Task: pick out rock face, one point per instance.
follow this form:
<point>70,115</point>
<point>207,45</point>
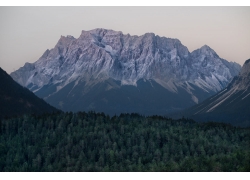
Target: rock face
<point>17,100</point>
<point>105,70</point>
<point>231,105</point>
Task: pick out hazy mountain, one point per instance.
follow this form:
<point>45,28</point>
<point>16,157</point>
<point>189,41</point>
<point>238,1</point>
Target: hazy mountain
<point>105,70</point>
<point>231,105</point>
<point>17,100</point>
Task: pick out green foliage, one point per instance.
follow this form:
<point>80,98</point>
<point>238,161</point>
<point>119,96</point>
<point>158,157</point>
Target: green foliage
<point>129,142</point>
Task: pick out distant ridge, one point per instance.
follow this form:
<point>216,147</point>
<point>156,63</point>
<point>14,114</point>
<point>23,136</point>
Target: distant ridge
<point>231,105</point>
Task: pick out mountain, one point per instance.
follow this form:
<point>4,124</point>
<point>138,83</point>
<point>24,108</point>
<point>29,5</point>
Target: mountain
<point>17,100</point>
<point>231,105</point>
<point>106,70</point>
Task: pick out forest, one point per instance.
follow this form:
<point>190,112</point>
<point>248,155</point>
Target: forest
<point>90,141</point>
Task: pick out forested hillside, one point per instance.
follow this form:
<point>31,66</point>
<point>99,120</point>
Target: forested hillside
<point>129,142</point>
<point>17,100</point>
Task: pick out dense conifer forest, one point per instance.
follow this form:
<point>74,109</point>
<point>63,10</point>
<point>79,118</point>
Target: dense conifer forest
<point>128,142</point>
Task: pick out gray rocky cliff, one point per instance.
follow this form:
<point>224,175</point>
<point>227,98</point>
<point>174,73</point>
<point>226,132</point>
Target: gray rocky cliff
<point>101,54</point>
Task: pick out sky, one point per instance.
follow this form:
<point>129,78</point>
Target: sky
<point>26,32</point>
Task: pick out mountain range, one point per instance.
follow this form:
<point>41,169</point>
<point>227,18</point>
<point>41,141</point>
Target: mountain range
<point>230,105</point>
<point>18,100</point>
<point>112,72</point>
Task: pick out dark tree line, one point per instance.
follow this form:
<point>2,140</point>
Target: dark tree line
<point>128,142</point>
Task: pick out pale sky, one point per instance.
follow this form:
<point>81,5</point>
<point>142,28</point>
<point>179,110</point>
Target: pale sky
<point>26,32</point>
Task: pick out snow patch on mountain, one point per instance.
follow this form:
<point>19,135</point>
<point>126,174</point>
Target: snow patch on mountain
<point>222,99</point>
<point>246,96</point>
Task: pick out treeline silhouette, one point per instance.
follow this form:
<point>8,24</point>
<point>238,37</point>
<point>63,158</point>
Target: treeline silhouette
<point>89,141</point>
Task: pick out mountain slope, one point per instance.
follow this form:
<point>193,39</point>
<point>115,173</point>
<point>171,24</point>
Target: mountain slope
<point>147,98</point>
<point>111,60</point>
<point>231,105</point>
<point>17,100</point>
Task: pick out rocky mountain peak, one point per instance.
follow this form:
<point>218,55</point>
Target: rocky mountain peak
<point>65,40</point>
<point>205,50</point>
<point>149,35</point>
<point>242,81</point>
<point>45,54</point>
<point>245,71</point>
<point>99,55</point>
